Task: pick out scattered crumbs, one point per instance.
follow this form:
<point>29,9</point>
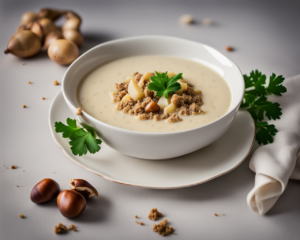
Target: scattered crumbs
<point>13,167</point>
<point>229,49</point>
<point>21,216</point>
<point>222,214</point>
<point>23,64</point>
<point>206,22</point>
<point>136,216</point>
<point>24,106</point>
<point>56,82</point>
<point>141,223</point>
<point>43,98</point>
<point>60,228</point>
<point>154,214</point>
<point>186,19</point>
<point>216,214</point>
<point>23,170</point>
<point>17,185</point>
<point>72,227</point>
<point>78,111</point>
<point>162,228</point>
<point>53,172</point>
<point>29,82</point>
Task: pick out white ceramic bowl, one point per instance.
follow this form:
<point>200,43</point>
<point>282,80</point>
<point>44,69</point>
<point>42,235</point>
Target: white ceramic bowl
<point>146,145</point>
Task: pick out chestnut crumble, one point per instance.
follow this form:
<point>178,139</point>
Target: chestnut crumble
<point>162,228</point>
<point>186,101</point>
<point>60,228</point>
<point>154,214</point>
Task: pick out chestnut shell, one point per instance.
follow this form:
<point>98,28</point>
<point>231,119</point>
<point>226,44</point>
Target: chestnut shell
<point>44,191</point>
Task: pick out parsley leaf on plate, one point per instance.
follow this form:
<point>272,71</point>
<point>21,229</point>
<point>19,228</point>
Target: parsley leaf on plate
<point>256,103</point>
<point>82,139</point>
<point>163,85</point>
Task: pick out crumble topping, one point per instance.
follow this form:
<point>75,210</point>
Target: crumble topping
<point>185,102</point>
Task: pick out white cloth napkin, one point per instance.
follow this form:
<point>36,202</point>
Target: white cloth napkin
<point>276,163</point>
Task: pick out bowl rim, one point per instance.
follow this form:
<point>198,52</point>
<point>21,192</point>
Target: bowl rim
<point>139,132</point>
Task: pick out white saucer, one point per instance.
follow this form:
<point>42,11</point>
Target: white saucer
<point>198,167</point>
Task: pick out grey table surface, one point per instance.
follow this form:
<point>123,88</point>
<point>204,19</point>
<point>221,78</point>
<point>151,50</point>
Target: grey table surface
<point>265,35</point>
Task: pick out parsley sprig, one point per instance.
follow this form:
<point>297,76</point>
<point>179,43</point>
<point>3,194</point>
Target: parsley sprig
<point>82,139</point>
<point>163,85</point>
<point>255,101</point>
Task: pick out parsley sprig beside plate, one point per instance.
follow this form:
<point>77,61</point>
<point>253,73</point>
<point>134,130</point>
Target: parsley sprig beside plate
<point>163,85</point>
<point>82,139</point>
<point>255,101</point>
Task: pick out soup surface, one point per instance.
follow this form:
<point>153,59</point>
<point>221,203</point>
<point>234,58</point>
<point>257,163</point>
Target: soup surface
<point>93,92</point>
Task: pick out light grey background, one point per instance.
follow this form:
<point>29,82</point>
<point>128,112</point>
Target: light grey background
<point>266,36</point>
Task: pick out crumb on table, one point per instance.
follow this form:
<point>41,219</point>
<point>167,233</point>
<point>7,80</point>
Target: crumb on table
<point>29,82</point>
<point>229,48</point>
<point>72,227</point>
<point>24,106</point>
<point>43,98</point>
<point>216,214</point>
<point>21,216</point>
<point>140,223</point>
<point>186,19</point>
<point>60,228</point>
<point>23,63</point>
<point>136,216</point>
<point>56,82</point>
<point>162,228</point>
<point>154,214</point>
<point>13,167</point>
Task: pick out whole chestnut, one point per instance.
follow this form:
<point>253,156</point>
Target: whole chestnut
<point>44,191</point>
<point>70,203</point>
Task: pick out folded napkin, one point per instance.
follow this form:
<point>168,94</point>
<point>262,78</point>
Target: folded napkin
<point>276,163</point>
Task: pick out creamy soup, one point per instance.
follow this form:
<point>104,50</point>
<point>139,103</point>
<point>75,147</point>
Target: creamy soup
<point>93,92</point>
